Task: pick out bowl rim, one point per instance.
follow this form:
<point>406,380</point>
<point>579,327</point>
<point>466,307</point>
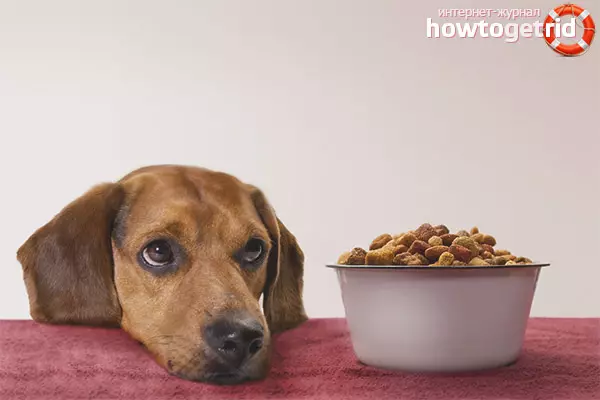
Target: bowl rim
<point>436,267</point>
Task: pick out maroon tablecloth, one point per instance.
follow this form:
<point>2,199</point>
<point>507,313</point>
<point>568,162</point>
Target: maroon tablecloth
<point>561,360</point>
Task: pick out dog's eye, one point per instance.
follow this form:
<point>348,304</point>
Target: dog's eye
<point>158,253</point>
<point>253,251</point>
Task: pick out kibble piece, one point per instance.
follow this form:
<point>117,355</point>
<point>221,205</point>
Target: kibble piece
<point>380,241</point>
<point>479,248</point>
<point>402,258</point>
<point>474,230</point>
<point>343,259</point>
<point>523,260</point>
<point>399,249</point>
<point>498,260</point>
<point>413,261</point>
<point>510,262</point>
<point>441,230</point>
<point>478,237</point>
<point>396,236</point>
<point>418,246</point>
<point>478,261</point>
<point>357,256</point>
<point>422,259</point>
<point>468,243</point>
<point>448,238</point>
<point>424,232</point>
<point>380,257</point>
<point>458,264</point>
<point>434,252</point>
<point>393,243</point>
<point>435,241</point>
<point>462,233</point>
<point>417,259</point>
<point>510,257</point>
<point>407,239</point>
<point>486,255</point>
<point>460,253</point>
<point>489,239</point>
<point>488,248</point>
<point>446,258</point>
<point>500,252</point>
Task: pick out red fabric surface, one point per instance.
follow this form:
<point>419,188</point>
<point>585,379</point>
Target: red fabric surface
<point>560,360</point>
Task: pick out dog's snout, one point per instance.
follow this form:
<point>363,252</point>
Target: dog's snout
<point>236,340</point>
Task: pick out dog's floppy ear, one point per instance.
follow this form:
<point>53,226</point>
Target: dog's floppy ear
<point>282,297</point>
<point>67,263</point>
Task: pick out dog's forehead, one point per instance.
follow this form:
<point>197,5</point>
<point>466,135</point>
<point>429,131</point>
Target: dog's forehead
<point>166,194</point>
<point>187,184</point>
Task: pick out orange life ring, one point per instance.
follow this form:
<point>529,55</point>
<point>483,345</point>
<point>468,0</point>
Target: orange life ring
<point>589,31</point>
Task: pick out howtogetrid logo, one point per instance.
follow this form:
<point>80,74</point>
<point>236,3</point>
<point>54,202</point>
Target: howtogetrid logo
<point>552,30</point>
<point>581,15</point>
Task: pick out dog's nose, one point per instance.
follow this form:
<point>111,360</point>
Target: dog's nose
<point>235,339</point>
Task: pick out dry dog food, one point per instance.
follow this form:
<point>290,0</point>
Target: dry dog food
<point>435,246</point>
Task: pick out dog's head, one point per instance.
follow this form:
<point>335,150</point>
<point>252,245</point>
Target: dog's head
<point>179,258</point>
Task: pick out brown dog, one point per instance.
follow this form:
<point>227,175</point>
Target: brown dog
<point>179,258</point>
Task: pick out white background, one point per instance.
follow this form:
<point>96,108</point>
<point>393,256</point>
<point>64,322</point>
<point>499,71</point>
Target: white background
<point>350,119</point>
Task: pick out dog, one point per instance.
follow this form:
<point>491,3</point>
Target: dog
<point>178,257</point>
